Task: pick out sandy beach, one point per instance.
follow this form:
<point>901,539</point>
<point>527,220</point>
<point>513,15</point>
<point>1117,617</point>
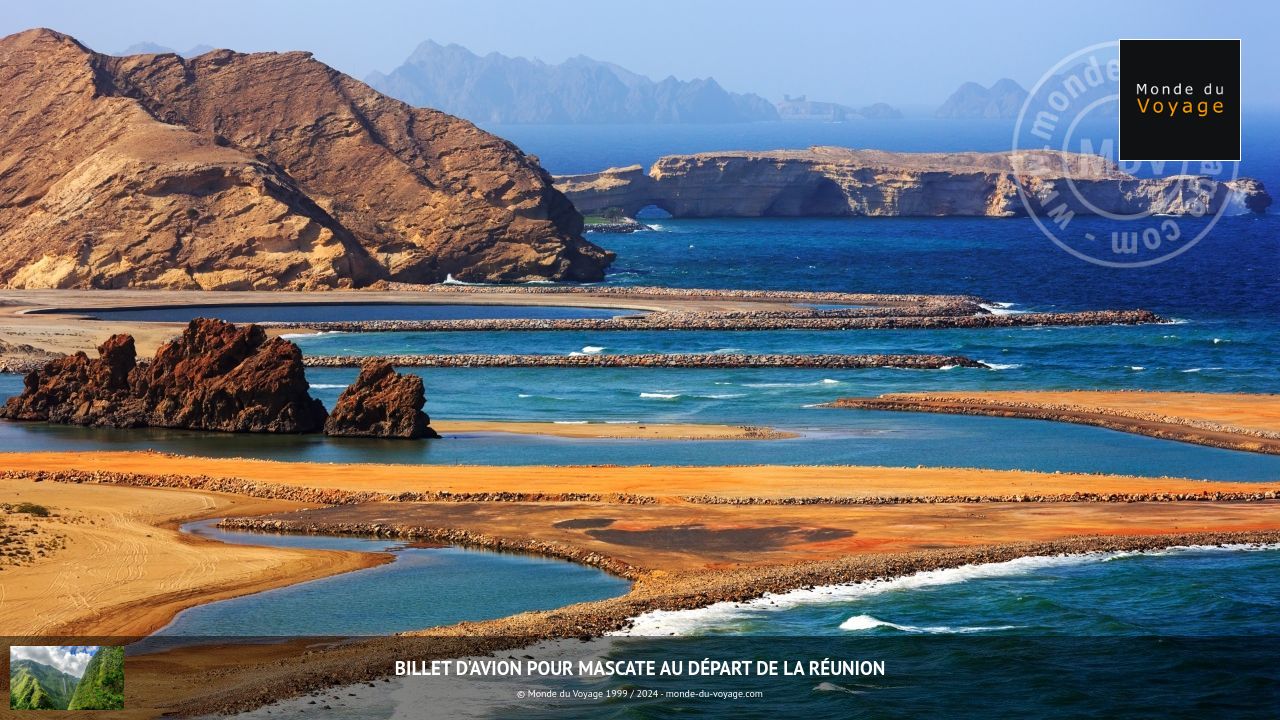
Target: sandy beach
<point>125,569</point>
<point>1228,420</point>
<point>657,483</point>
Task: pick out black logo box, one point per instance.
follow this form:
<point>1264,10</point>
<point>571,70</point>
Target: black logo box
<point>1189,64</point>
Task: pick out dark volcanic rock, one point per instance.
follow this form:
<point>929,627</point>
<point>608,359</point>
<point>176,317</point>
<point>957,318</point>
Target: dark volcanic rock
<point>221,377</point>
<point>381,403</point>
<point>215,377</point>
<point>76,390</point>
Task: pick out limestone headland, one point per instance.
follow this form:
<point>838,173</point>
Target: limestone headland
<point>836,181</point>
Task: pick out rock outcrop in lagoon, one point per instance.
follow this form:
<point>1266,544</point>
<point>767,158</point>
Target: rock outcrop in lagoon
<point>381,403</point>
<point>256,171</point>
<point>833,181</point>
<point>221,377</point>
<point>216,376</point>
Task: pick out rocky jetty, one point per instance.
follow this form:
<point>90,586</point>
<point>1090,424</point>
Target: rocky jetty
<point>256,171</point>
<point>933,318</point>
<point>216,376</point>
<point>381,403</point>
<point>649,360</point>
<point>833,181</point>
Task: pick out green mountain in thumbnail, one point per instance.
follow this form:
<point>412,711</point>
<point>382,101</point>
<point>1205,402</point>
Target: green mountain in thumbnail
<point>36,686</point>
<point>102,687</point>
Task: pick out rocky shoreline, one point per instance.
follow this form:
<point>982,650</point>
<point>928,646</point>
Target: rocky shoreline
<point>825,181</point>
<point>772,320</point>
<point>1165,427</point>
<point>317,668</point>
<point>657,360</point>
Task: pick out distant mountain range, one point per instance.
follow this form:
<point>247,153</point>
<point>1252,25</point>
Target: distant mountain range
<point>150,48</point>
<point>1002,100</point>
<point>36,686</point>
<point>801,108</point>
<point>495,88</point>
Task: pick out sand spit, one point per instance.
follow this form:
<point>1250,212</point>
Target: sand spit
<point>123,568</point>
<point>1215,492</point>
<point>329,483</point>
<point>658,360</point>
<point>1232,421</point>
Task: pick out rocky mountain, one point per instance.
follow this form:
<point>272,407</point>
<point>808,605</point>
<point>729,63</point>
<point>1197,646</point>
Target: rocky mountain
<point>833,181</point>
<point>500,89</point>
<point>102,687</point>
<point>36,686</point>
<point>801,108</point>
<point>259,171</point>
<point>1002,100</point>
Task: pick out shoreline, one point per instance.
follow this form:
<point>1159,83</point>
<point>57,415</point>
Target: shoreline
<point>58,321</point>
<point>753,531</point>
<point>347,483</point>
<point>281,673</point>
<point>134,569</point>
<point>1246,427</point>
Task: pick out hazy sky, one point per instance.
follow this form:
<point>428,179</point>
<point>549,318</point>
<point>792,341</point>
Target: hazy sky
<point>905,53</point>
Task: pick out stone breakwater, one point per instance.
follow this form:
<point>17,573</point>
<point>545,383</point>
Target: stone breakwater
<point>1074,497</point>
<point>451,536</point>
<point>799,320</point>
<point>1166,427</point>
<point>316,668</point>
<point>328,496</point>
<point>294,493</point>
<point>640,291</point>
<point>656,360</point>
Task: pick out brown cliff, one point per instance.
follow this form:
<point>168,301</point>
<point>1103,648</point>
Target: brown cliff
<point>260,171</point>
<point>214,377</point>
<point>833,181</point>
<point>381,403</point>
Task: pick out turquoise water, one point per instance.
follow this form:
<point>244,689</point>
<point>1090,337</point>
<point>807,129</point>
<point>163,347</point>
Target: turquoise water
<point>1218,355</point>
<point>423,587</point>
<point>779,398</point>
